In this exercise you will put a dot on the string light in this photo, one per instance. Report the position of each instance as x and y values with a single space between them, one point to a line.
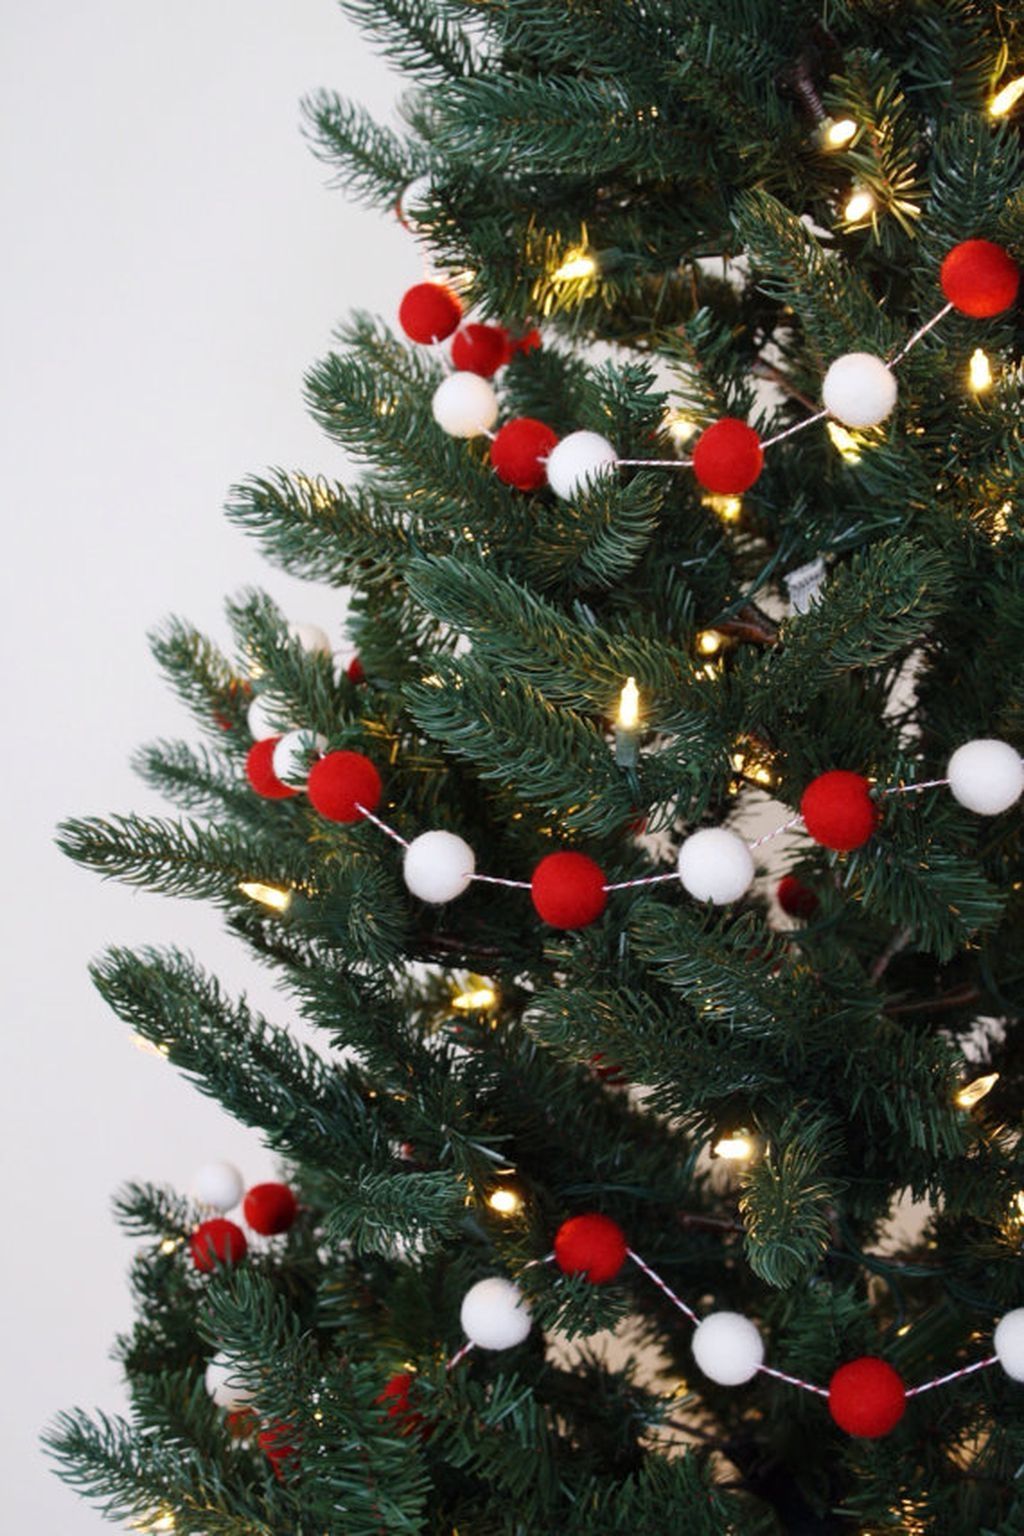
728 508
576 265
847 445
150 1047
272 896
679 428
505 1201
837 134
973 1093
859 205
475 998
735 1148
159 1520
709 642
170 1245
629 705
1005 100
980 371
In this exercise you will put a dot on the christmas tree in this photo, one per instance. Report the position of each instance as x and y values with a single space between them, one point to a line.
652 869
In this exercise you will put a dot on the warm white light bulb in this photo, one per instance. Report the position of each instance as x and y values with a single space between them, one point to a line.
1005 100
267 895
473 999
576 265
972 1093
709 642
629 705
845 443
839 133
505 1201
736 1148
859 204
980 371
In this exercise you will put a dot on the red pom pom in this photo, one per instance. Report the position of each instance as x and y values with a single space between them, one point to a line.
728 457
481 349
613 1074
519 450
867 1398
396 1396
269 1208
531 342
276 1444
568 890
838 810
594 1246
795 898
259 770
429 312
340 783
241 1423
354 671
979 278
217 1242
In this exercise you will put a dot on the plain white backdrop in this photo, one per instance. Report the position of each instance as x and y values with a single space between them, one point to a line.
172 262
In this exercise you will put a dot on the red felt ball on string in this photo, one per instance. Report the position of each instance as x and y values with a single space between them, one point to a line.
276 1444
795 898
354 671
728 457
259 770
481 349
530 342
867 1398
519 450
270 1208
241 1423
568 890
979 278
342 782
592 1246
395 1399
429 312
838 810
217 1242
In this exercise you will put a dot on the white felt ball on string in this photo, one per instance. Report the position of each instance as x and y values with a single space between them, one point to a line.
578 461
311 637
224 1385
728 1348
262 717
438 866
219 1185
494 1314
715 865
859 390
987 776
1008 1343
465 405
295 754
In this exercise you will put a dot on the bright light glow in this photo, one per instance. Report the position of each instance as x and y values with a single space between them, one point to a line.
170 1245
473 999
981 371
1000 523
1006 99
846 444
1020 1202
267 895
629 705
839 133
709 642
736 1148
679 427
150 1047
728 508
576 264
159 1520
858 205
973 1093
505 1201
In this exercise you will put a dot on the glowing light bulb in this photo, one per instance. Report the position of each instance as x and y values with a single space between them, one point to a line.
1005 100
845 443
505 1201
576 265
709 642
973 1093
728 508
735 1148
170 1245
980 371
679 427
150 1047
839 133
474 999
271 896
858 205
629 705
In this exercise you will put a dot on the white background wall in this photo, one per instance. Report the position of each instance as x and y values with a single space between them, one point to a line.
171 262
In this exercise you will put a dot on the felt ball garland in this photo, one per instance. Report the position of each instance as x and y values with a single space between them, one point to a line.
343 785
465 405
259 770
520 450
979 278
223 1384
579 462
591 1245
1008 1343
494 1314
867 1398
277 1444
859 390
715 865
568 890
217 1241
728 457
438 866
293 754
986 776
219 1185
728 1348
481 349
838 810
429 312
795 898
270 1208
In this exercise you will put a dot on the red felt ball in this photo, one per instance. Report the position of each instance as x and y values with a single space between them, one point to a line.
530 342
481 349
429 312
613 1074
217 1242
269 1208
728 457
276 1444
396 1398
867 1398
354 671
795 898
241 1423
593 1246
259 770
340 783
568 890
519 451
838 810
979 278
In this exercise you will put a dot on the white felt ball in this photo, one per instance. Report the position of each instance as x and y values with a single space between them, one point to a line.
859 390
494 1314
715 865
311 637
224 1384
294 754
438 866
728 1348
986 776
579 461
262 723
1008 1343
465 405
218 1184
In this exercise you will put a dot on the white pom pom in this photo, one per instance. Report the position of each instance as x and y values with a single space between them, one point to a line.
987 776
260 720
465 405
412 198
728 1348
295 753
311 637
715 865
494 1314
859 390
579 461
1008 1343
218 1184
224 1384
438 865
